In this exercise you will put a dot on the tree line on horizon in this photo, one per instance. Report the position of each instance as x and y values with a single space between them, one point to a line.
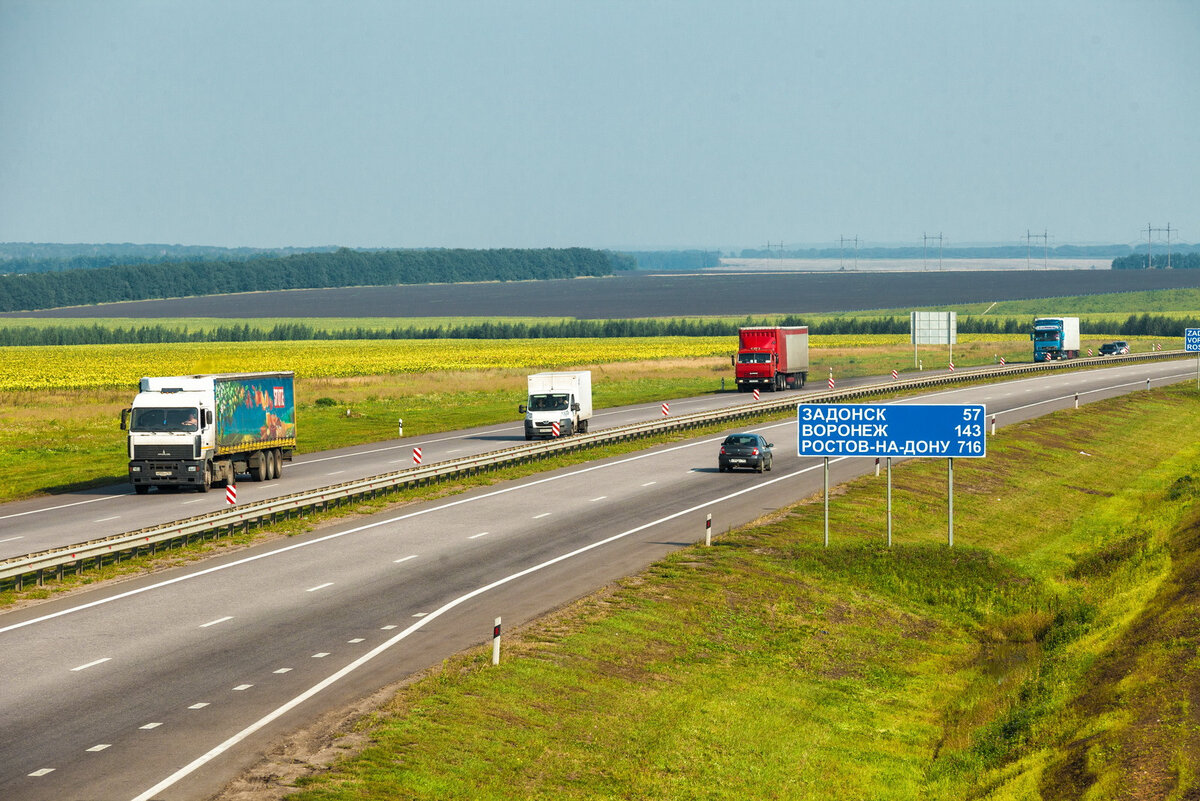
95 334
1158 261
316 270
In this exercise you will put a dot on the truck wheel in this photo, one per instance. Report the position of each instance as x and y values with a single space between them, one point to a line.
278 463
583 426
206 479
259 472
272 470
141 489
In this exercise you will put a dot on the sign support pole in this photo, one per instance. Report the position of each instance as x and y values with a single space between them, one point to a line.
826 501
889 500
950 494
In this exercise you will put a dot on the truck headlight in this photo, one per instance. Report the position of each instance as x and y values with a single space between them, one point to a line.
135 469
191 468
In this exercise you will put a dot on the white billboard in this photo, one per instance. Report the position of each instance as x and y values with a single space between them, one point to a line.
934 328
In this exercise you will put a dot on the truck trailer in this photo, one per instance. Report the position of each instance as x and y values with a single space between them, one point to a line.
562 399
1055 338
771 357
200 431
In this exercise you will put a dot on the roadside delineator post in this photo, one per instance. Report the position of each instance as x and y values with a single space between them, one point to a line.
496 642
400 427
708 531
993 425
1076 400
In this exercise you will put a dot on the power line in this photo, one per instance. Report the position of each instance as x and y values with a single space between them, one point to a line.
1149 232
1045 237
841 257
927 238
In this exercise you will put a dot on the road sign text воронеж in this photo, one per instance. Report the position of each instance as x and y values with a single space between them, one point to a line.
885 429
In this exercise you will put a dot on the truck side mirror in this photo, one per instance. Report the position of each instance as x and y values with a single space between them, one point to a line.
574 407
125 418
521 409
733 361
208 418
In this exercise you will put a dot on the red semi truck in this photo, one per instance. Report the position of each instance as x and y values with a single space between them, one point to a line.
771 357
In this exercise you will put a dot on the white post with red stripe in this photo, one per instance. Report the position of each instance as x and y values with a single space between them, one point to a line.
231 494
666 407
830 378
895 375
756 395
554 429
416 455
1002 361
952 367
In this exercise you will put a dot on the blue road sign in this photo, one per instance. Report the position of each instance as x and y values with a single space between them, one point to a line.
1191 339
889 429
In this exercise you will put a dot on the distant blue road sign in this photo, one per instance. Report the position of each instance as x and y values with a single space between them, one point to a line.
1191 339
887 429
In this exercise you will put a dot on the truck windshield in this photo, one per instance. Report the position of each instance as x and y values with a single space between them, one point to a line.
754 358
549 403
163 420
1046 336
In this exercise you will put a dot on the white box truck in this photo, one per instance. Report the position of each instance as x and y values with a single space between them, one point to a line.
561 401
1055 338
199 430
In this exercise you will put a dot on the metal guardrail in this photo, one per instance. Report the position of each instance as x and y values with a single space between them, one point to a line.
14 571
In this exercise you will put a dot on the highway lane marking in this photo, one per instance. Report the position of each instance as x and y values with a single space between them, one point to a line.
386 628
150 726
91 664
320 587
455 450
242 687
215 622
320 655
1189 374
282 670
267 719
106 519
404 559
543 514
477 536
420 614
355 640
61 506
649 483
10 539
100 747
198 500
200 705
336 473
41 772
602 497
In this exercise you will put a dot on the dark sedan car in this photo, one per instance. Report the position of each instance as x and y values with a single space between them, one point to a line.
745 450
1117 348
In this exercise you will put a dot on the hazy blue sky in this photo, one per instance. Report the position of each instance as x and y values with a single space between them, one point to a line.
605 124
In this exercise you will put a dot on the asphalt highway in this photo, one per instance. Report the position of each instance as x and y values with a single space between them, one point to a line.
167 686
57 521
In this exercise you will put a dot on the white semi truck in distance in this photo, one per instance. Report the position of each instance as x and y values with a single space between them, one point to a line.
198 431
564 399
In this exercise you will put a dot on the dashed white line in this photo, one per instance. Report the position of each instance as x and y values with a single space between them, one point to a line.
200 705
543 514
321 655
42 772
320 587
405 559
10 539
215 622
477 536
282 670
420 614
241 687
336 473
99 747
356 639
602 497
455 450
649 483
150 726
198 500
386 628
106 519
90 664
61 506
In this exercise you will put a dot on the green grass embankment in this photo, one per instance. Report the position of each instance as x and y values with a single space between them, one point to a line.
1052 653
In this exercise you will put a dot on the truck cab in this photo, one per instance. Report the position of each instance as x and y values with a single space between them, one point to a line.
171 439
1055 338
562 399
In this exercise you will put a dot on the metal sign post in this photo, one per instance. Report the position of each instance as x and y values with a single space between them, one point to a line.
889 500
950 503
826 501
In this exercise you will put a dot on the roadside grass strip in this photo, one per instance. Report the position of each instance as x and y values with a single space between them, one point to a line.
1051 653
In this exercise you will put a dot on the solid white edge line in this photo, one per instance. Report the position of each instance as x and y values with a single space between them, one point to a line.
320 587
215 622
414 627
91 664
451 504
